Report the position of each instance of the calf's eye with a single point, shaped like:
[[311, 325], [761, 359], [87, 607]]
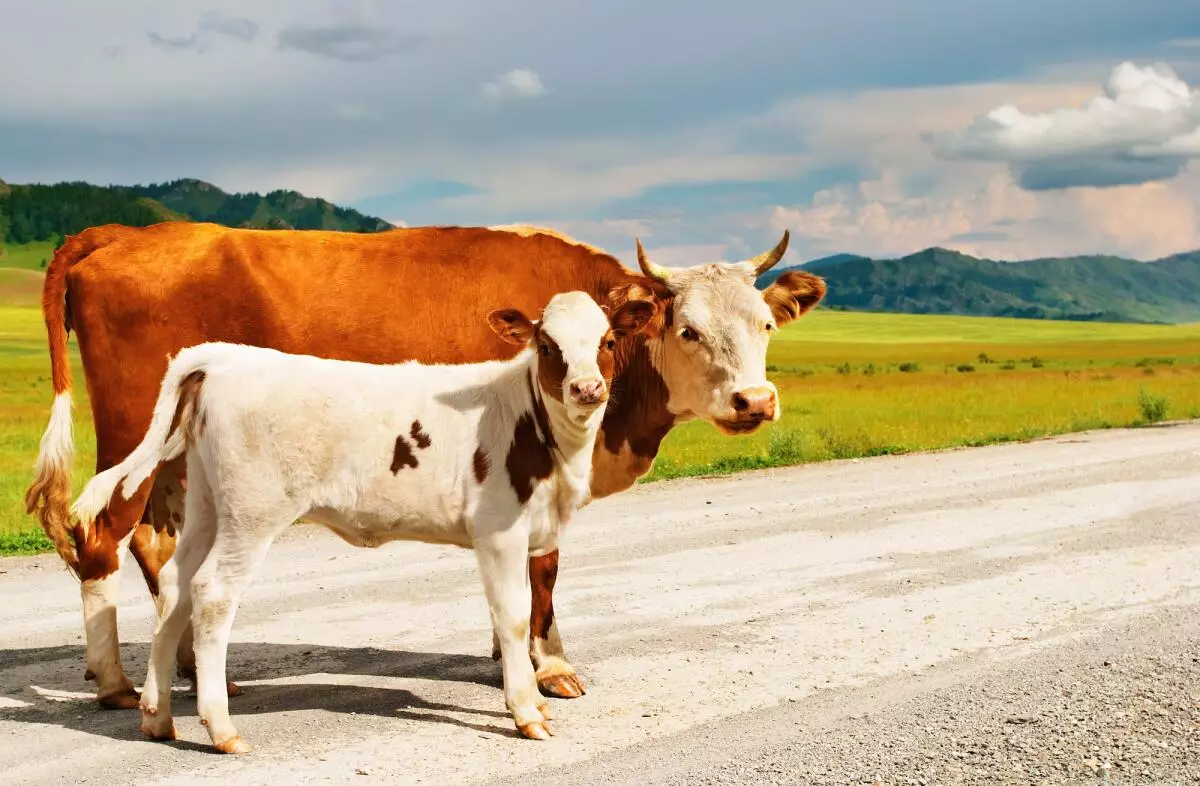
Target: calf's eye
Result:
[[689, 334]]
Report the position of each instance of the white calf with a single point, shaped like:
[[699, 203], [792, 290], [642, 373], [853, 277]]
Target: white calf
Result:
[[492, 456]]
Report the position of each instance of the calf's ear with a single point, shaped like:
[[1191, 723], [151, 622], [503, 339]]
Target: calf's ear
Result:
[[793, 295], [631, 317], [511, 325]]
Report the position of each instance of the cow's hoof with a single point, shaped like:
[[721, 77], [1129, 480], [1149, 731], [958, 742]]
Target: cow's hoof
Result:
[[561, 684], [232, 745], [89, 675], [126, 699], [155, 729], [536, 731], [545, 710]]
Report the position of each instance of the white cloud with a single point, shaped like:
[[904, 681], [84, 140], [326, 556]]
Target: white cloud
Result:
[[1143, 128], [518, 83]]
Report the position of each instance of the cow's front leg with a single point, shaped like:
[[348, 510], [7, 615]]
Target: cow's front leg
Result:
[[555, 675]]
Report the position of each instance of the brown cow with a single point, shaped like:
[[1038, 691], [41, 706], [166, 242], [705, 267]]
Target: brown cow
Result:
[[136, 296]]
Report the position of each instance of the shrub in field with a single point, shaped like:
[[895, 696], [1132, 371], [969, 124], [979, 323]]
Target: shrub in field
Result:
[[869, 369], [1008, 365], [844, 368], [983, 358], [1036, 362], [909, 367], [1154, 407], [962, 367]]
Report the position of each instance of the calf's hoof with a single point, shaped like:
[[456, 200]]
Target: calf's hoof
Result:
[[231, 745], [156, 729], [535, 731], [124, 699]]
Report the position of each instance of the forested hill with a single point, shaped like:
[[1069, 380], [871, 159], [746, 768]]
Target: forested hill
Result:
[[940, 281], [30, 213]]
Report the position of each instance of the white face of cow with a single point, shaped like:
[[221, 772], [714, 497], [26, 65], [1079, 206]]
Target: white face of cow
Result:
[[715, 335]]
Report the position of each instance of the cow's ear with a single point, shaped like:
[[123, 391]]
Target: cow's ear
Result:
[[646, 291], [793, 295], [630, 318], [512, 326]]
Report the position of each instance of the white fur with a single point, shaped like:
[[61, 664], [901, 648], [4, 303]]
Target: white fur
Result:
[[57, 447], [285, 437]]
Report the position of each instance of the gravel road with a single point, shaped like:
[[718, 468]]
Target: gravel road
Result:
[[1012, 614]]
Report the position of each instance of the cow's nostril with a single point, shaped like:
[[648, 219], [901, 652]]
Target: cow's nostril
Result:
[[740, 403]]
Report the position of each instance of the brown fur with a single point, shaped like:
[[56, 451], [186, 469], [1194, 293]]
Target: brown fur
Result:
[[793, 294], [552, 369], [402, 456], [480, 464], [529, 458], [418, 436], [543, 572]]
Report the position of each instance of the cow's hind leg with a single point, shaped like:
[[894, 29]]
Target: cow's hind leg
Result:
[[101, 556], [175, 579], [503, 566]]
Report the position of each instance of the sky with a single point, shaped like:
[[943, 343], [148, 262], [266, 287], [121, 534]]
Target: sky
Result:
[[1011, 130]]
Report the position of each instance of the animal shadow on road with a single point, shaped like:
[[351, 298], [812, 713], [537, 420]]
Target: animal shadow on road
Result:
[[60, 669]]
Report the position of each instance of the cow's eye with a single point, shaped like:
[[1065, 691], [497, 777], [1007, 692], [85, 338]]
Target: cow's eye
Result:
[[770, 326], [689, 334], [545, 350], [610, 343]]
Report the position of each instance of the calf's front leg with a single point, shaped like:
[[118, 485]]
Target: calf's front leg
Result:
[[503, 567], [555, 675]]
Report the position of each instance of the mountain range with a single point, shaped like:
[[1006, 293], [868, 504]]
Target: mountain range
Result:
[[933, 281], [941, 281]]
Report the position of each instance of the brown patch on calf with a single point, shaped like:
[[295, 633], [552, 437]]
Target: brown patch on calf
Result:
[[552, 369], [402, 456], [481, 465], [418, 436], [187, 406], [529, 458]]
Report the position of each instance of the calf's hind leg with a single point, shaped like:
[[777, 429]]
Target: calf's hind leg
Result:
[[504, 568], [175, 579], [238, 550]]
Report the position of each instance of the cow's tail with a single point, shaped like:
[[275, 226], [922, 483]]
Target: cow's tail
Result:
[[48, 495], [171, 430]]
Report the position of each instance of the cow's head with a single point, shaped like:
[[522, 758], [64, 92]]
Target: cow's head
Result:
[[713, 331], [575, 343]]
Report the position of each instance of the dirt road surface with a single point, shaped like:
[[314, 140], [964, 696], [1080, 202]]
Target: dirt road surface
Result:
[[1019, 613]]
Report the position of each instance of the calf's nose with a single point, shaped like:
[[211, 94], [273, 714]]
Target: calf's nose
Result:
[[755, 403], [588, 391]]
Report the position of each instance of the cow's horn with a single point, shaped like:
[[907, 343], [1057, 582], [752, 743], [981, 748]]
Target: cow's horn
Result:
[[656, 272], [764, 262]]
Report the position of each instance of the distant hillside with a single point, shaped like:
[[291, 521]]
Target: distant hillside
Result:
[[30, 213], [276, 210], [940, 281]]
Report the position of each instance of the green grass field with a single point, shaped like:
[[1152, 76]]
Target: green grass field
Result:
[[852, 385], [27, 256]]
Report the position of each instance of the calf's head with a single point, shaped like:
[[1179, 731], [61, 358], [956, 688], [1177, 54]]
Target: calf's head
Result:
[[714, 330], [574, 343]]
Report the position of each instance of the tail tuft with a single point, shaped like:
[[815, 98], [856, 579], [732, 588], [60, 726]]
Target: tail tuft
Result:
[[50, 493]]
